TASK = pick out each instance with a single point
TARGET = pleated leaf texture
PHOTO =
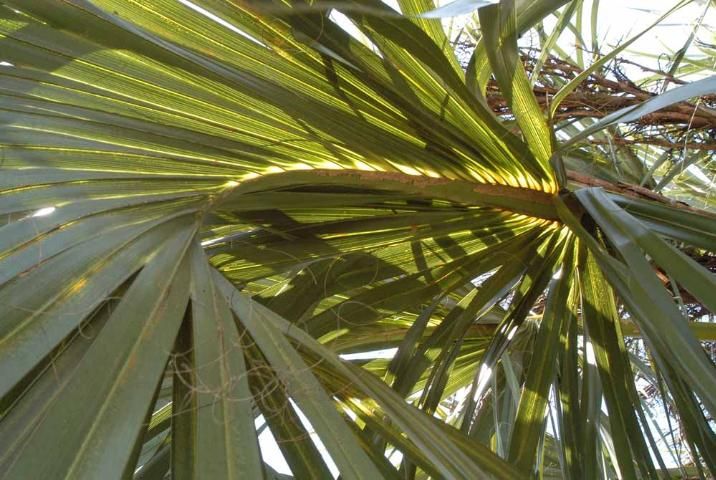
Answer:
(208, 205)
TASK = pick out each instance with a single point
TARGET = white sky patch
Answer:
(393, 4)
(698, 173)
(591, 358)
(43, 212)
(395, 458)
(618, 21)
(316, 440)
(558, 274)
(219, 20)
(346, 24)
(387, 353)
(351, 414)
(550, 425)
(482, 379)
(271, 453)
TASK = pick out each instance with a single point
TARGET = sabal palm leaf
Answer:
(207, 202)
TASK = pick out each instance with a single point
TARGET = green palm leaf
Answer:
(207, 205)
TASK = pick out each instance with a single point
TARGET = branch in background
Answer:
(596, 104)
(656, 142)
(599, 96)
(630, 190)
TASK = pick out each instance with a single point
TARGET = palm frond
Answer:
(208, 206)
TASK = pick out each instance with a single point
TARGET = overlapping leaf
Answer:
(207, 202)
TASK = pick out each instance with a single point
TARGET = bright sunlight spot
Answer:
(44, 212)
(219, 20)
(482, 379)
(387, 353)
